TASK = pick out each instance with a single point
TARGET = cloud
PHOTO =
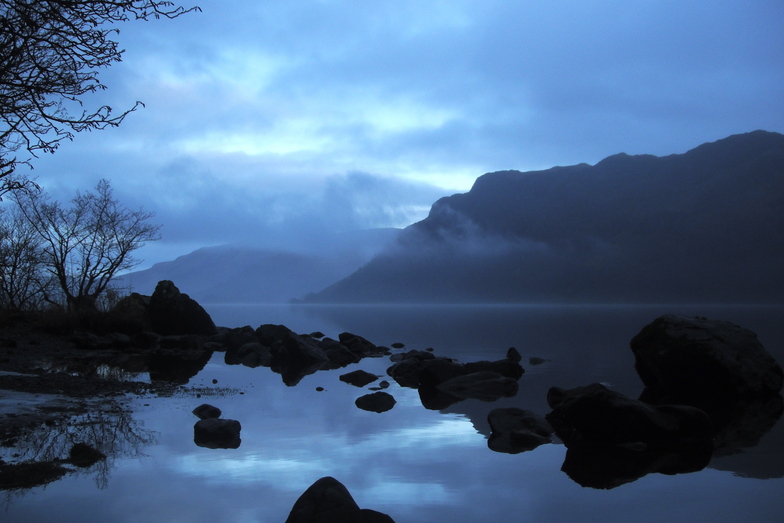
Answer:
(260, 113)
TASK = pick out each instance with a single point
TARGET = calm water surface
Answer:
(414, 464)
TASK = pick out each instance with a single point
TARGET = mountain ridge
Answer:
(701, 225)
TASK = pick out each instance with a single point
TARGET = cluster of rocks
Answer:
(703, 380)
(292, 355)
(699, 375)
(442, 382)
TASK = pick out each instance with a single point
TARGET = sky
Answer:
(268, 122)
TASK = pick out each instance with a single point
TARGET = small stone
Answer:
(376, 402)
(205, 411)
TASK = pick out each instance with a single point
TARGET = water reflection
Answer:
(421, 465)
(86, 442)
(607, 468)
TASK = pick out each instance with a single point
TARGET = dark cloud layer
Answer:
(260, 112)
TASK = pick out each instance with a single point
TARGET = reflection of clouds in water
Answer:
(447, 432)
(326, 455)
(253, 468)
(412, 492)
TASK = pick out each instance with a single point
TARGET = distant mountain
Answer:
(704, 226)
(244, 274)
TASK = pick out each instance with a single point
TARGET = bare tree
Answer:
(51, 52)
(87, 243)
(23, 278)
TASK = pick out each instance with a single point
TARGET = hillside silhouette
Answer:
(703, 226)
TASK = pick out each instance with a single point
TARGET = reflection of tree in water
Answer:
(108, 428)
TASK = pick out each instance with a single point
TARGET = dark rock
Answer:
(131, 313)
(515, 430)
(741, 424)
(358, 378)
(172, 312)
(513, 355)
(419, 355)
(183, 342)
(398, 345)
(329, 501)
(317, 334)
(686, 359)
(118, 340)
(595, 416)
(376, 402)
(217, 433)
(88, 341)
(533, 360)
(269, 334)
(214, 346)
(407, 371)
(146, 339)
(236, 338)
(610, 467)
(206, 411)
(176, 366)
(252, 354)
(438, 370)
(484, 385)
(504, 367)
(359, 345)
(339, 355)
(83, 455)
(433, 398)
(295, 356)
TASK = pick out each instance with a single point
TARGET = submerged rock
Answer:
(358, 378)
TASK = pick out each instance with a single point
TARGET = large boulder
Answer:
(172, 312)
(360, 346)
(692, 358)
(216, 433)
(252, 354)
(329, 501)
(595, 416)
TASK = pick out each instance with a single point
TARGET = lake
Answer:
(416, 465)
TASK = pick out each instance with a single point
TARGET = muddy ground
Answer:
(48, 385)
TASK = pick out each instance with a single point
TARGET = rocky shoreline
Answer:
(703, 379)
